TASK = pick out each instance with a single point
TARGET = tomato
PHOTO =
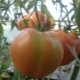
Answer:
(36, 54)
(66, 40)
(78, 46)
(77, 41)
(33, 22)
(73, 35)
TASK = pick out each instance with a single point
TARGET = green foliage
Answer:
(48, 14)
(5, 75)
(13, 24)
(1, 27)
(31, 4)
(5, 64)
(4, 53)
(17, 75)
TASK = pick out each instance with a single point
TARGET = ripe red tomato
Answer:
(36, 54)
(33, 22)
(66, 40)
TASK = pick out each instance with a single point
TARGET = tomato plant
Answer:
(36, 54)
(30, 20)
(68, 20)
(66, 39)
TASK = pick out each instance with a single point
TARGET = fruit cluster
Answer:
(37, 54)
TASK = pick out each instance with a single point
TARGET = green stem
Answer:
(76, 5)
(39, 24)
(75, 71)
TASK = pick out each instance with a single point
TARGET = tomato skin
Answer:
(36, 54)
(77, 41)
(66, 40)
(21, 25)
(33, 22)
(73, 35)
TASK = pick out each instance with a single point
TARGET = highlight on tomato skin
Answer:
(66, 39)
(36, 54)
(29, 20)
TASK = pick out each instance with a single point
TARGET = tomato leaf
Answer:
(1, 27)
(5, 75)
(31, 4)
(17, 75)
(5, 64)
(46, 11)
(13, 24)
(16, 5)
